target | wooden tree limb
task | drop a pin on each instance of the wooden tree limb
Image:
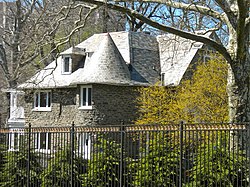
(217, 46)
(225, 6)
(184, 6)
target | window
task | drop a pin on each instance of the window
(42, 101)
(66, 65)
(84, 144)
(16, 140)
(86, 97)
(43, 141)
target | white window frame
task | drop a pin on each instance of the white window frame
(84, 144)
(86, 105)
(63, 65)
(37, 106)
(15, 145)
(38, 142)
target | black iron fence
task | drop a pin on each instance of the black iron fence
(187, 155)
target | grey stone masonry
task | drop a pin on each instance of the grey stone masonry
(111, 106)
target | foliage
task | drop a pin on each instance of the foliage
(217, 164)
(204, 97)
(103, 167)
(2, 154)
(58, 171)
(158, 164)
(153, 104)
(15, 173)
(201, 99)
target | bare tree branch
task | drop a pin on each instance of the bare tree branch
(184, 6)
(225, 6)
(219, 47)
(76, 29)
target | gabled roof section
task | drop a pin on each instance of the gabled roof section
(106, 66)
(176, 54)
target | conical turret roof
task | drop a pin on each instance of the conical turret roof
(106, 66)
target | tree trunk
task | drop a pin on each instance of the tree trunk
(239, 103)
(239, 91)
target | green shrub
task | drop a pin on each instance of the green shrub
(103, 167)
(15, 173)
(218, 164)
(58, 171)
(158, 163)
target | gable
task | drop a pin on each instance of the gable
(176, 55)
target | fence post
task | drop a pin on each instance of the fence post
(248, 150)
(181, 154)
(72, 143)
(28, 159)
(122, 152)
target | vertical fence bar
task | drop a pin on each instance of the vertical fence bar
(28, 156)
(72, 132)
(181, 154)
(248, 152)
(122, 130)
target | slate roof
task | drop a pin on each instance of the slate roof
(49, 77)
(106, 66)
(176, 55)
(121, 58)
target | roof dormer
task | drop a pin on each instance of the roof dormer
(73, 59)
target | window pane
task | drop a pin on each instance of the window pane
(43, 98)
(84, 96)
(89, 96)
(36, 99)
(66, 64)
(49, 99)
(42, 140)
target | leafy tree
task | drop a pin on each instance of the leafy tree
(158, 164)
(154, 104)
(58, 171)
(2, 154)
(15, 173)
(103, 166)
(203, 98)
(217, 164)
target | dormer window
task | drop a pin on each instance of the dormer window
(66, 64)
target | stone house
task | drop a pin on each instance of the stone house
(93, 83)
(96, 81)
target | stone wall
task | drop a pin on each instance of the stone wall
(111, 105)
